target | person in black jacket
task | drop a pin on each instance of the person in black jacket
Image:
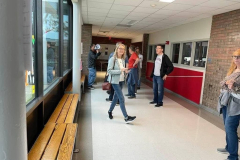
(162, 68)
(92, 56)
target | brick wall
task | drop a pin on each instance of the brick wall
(87, 41)
(224, 40)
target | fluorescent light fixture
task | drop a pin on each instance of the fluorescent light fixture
(169, 1)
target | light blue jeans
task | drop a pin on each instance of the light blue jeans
(118, 95)
(91, 76)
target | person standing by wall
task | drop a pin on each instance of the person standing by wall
(140, 56)
(162, 68)
(231, 83)
(92, 56)
(116, 71)
(132, 78)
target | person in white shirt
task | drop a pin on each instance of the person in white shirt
(140, 56)
(162, 68)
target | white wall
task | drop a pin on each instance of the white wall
(197, 30)
(137, 39)
(109, 48)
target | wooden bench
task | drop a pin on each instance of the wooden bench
(65, 110)
(83, 81)
(56, 141)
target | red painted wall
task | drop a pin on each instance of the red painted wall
(184, 82)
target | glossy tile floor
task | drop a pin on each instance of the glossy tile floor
(171, 132)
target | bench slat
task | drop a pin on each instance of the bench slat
(54, 144)
(58, 109)
(41, 143)
(66, 148)
(65, 109)
(72, 109)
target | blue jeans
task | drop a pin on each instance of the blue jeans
(49, 74)
(158, 89)
(231, 125)
(132, 81)
(224, 112)
(91, 76)
(131, 90)
(118, 95)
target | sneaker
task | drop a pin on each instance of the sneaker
(107, 99)
(130, 119)
(91, 87)
(158, 105)
(138, 87)
(152, 102)
(131, 97)
(127, 95)
(222, 150)
(110, 115)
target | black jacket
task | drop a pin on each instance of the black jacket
(166, 67)
(92, 59)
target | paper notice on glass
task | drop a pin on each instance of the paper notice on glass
(27, 34)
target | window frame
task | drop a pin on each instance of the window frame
(191, 66)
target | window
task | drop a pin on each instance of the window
(50, 11)
(29, 75)
(66, 43)
(200, 54)
(186, 53)
(175, 52)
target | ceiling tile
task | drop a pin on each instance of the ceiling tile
(234, 0)
(117, 20)
(122, 7)
(218, 11)
(145, 10)
(96, 18)
(148, 20)
(98, 10)
(157, 3)
(177, 7)
(187, 14)
(99, 5)
(102, 1)
(116, 16)
(166, 12)
(233, 7)
(97, 14)
(119, 12)
(138, 14)
(217, 3)
(190, 2)
(201, 9)
(134, 18)
(158, 16)
(128, 2)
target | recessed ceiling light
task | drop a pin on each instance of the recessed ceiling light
(153, 5)
(169, 1)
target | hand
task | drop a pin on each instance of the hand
(127, 71)
(97, 50)
(165, 77)
(230, 83)
(123, 69)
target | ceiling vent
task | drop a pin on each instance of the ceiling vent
(129, 24)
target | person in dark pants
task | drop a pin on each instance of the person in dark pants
(231, 112)
(50, 62)
(132, 79)
(162, 68)
(92, 56)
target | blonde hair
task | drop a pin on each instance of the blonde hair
(233, 65)
(116, 52)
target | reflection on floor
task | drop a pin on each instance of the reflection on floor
(171, 132)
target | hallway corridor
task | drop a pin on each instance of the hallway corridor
(171, 132)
